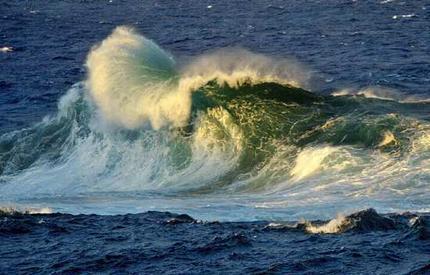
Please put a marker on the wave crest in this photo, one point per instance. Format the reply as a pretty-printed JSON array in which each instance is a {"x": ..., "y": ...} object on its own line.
[
  {"x": 382, "y": 93},
  {"x": 133, "y": 81},
  {"x": 235, "y": 67}
]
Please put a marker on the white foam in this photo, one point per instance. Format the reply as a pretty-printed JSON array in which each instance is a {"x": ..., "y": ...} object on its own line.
[
  {"x": 236, "y": 66},
  {"x": 383, "y": 93},
  {"x": 404, "y": 16},
  {"x": 332, "y": 227},
  {"x": 388, "y": 138},
  {"x": 30, "y": 210},
  {"x": 133, "y": 81},
  {"x": 310, "y": 160},
  {"x": 6, "y": 49}
]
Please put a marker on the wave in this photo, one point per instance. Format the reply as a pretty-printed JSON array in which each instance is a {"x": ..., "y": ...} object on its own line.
[
  {"x": 12, "y": 211},
  {"x": 413, "y": 225},
  {"x": 228, "y": 122},
  {"x": 383, "y": 93},
  {"x": 133, "y": 81},
  {"x": 403, "y": 247}
]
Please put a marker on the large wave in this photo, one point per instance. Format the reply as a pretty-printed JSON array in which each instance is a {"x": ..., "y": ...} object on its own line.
[
  {"x": 228, "y": 128},
  {"x": 133, "y": 81}
]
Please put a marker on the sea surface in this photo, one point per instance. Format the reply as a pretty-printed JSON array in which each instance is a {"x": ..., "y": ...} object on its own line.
[{"x": 287, "y": 136}]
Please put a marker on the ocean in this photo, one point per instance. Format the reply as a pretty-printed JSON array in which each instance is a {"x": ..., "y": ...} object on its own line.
[{"x": 215, "y": 136}]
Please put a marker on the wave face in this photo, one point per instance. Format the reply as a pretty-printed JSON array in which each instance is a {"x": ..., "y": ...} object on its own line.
[{"x": 229, "y": 129}]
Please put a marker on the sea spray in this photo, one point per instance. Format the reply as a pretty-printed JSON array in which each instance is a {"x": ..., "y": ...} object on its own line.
[{"x": 228, "y": 128}]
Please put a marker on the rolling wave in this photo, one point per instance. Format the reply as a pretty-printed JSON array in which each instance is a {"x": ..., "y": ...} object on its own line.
[{"x": 229, "y": 122}]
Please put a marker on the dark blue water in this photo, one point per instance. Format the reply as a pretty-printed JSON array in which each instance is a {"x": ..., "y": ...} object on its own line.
[
  {"x": 158, "y": 242},
  {"x": 346, "y": 45}
]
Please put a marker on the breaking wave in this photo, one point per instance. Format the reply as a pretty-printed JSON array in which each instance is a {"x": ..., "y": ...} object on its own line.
[
  {"x": 414, "y": 226},
  {"x": 229, "y": 127},
  {"x": 133, "y": 81},
  {"x": 384, "y": 94}
]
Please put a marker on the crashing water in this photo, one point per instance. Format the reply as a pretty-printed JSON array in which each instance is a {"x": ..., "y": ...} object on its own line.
[
  {"x": 231, "y": 135},
  {"x": 275, "y": 165}
]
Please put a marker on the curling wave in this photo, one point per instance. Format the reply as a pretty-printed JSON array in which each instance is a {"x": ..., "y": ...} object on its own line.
[{"x": 144, "y": 130}]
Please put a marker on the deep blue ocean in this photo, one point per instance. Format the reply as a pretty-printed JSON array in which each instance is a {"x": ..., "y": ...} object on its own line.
[{"x": 219, "y": 137}]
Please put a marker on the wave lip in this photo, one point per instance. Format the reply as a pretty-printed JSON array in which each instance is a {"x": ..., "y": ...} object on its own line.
[
  {"x": 236, "y": 66},
  {"x": 132, "y": 81},
  {"x": 362, "y": 221}
]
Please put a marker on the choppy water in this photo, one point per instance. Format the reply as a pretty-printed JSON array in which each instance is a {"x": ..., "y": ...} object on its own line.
[
  {"x": 157, "y": 242},
  {"x": 271, "y": 111}
]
